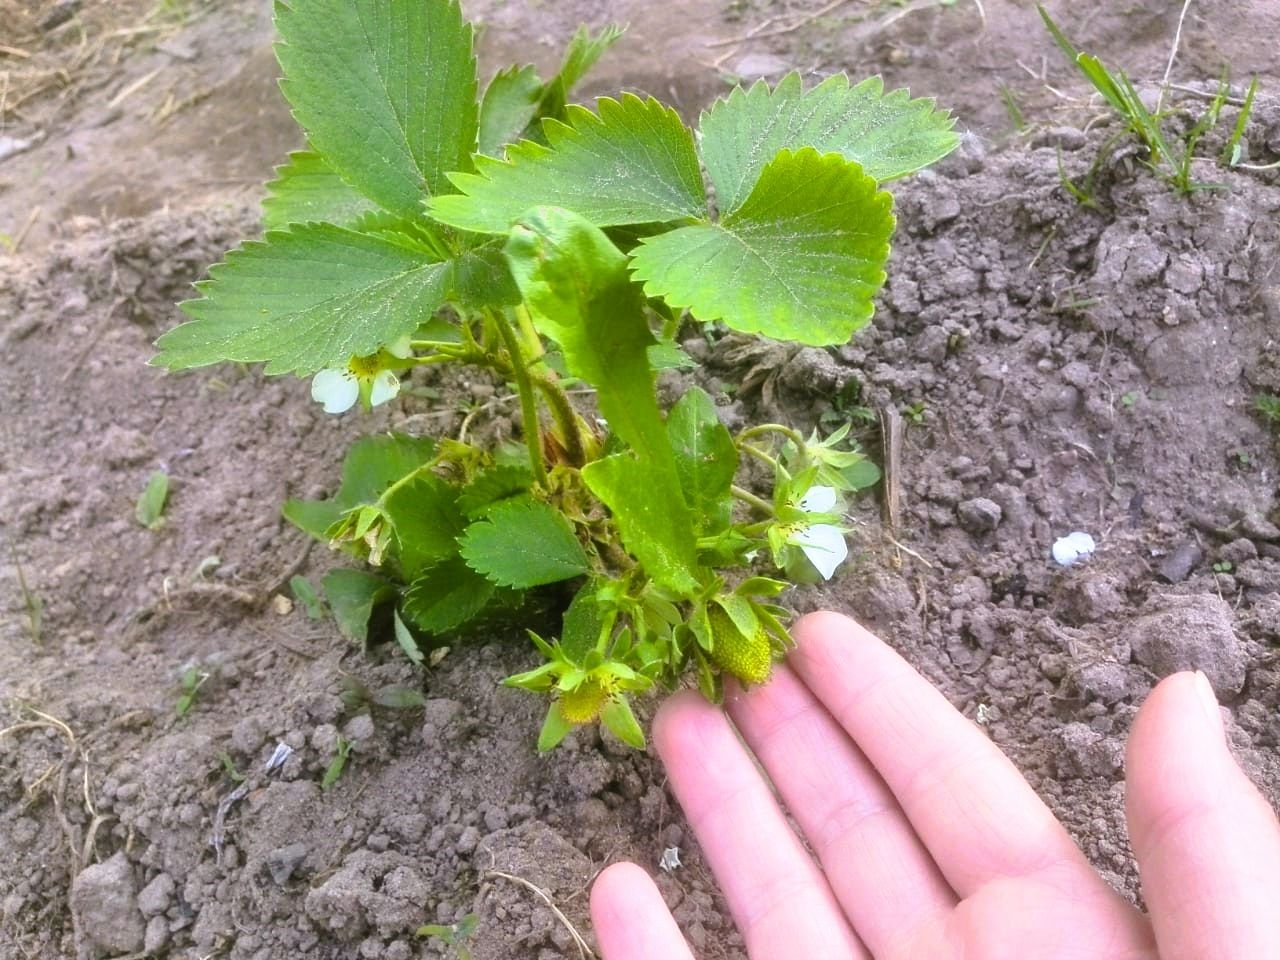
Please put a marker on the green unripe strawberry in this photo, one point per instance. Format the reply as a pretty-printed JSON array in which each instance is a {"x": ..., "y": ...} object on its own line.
[
  {"x": 582, "y": 704},
  {"x": 748, "y": 658}
]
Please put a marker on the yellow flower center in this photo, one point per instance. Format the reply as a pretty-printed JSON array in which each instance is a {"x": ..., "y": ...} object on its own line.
[{"x": 366, "y": 368}]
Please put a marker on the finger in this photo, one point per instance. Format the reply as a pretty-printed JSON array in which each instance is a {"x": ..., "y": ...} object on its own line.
[
  {"x": 778, "y": 897},
  {"x": 1207, "y": 843},
  {"x": 967, "y": 802},
  {"x": 631, "y": 919},
  {"x": 883, "y": 877}
]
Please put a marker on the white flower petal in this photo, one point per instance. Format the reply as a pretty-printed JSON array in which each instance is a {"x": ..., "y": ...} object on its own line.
[
  {"x": 824, "y": 545},
  {"x": 400, "y": 348},
  {"x": 818, "y": 500},
  {"x": 385, "y": 386},
  {"x": 336, "y": 389}
]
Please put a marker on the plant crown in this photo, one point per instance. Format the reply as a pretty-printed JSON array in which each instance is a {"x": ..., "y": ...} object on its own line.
[{"x": 560, "y": 246}]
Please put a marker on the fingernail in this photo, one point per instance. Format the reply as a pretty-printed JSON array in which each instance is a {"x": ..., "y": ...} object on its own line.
[{"x": 1208, "y": 702}]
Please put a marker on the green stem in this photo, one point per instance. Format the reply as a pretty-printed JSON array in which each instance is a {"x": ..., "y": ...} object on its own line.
[
  {"x": 746, "y": 496},
  {"x": 528, "y": 402},
  {"x": 566, "y": 419},
  {"x": 758, "y": 454},
  {"x": 795, "y": 436}
]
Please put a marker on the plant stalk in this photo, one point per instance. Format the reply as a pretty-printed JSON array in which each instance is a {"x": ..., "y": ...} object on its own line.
[
  {"x": 528, "y": 402},
  {"x": 566, "y": 419},
  {"x": 746, "y": 496}
]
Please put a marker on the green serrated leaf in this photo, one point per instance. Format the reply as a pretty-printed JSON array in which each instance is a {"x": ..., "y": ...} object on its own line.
[
  {"x": 633, "y": 162},
  {"x": 406, "y": 641},
  {"x": 427, "y": 521},
  {"x": 353, "y": 595},
  {"x": 706, "y": 459},
  {"x": 516, "y": 99},
  {"x": 494, "y": 485},
  {"x": 889, "y": 134},
  {"x": 385, "y": 89},
  {"x": 149, "y": 510},
  {"x": 654, "y": 528},
  {"x": 446, "y": 596},
  {"x": 800, "y": 260},
  {"x": 306, "y": 299},
  {"x": 307, "y": 189},
  {"x": 509, "y": 106},
  {"x": 523, "y": 543}
]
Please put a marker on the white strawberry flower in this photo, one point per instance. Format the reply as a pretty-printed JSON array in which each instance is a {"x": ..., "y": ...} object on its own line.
[
  {"x": 823, "y": 544},
  {"x": 368, "y": 379}
]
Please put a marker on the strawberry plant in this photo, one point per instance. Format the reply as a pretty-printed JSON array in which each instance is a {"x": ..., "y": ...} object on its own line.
[{"x": 428, "y": 223}]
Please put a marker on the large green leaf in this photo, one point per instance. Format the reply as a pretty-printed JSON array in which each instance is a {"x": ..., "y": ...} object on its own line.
[
  {"x": 385, "y": 89},
  {"x": 523, "y": 543},
  {"x": 575, "y": 284},
  {"x": 308, "y": 298},
  {"x": 307, "y": 189},
  {"x": 890, "y": 135},
  {"x": 634, "y": 162},
  {"x": 654, "y": 528},
  {"x": 800, "y": 260},
  {"x": 706, "y": 459}
]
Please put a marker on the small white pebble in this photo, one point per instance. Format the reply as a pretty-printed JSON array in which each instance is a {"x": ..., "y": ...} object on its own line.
[
  {"x": 1073, "y": 547},
  {"x": 670, "y": 861}
]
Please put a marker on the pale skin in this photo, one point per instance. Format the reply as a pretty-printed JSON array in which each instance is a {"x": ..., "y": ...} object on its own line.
[{"x": 927, "y": 842}]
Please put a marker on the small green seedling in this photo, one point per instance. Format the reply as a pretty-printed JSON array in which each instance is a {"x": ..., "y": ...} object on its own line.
[
  {"x": 454, "y": 935},
  {"x": 1223, "y": 566},
  {"x": 1170, "y": 155},
  {"x": 563, "y": 250},
  {"x": 1268, "y": 405},
  {"x": 356, "y": 696},
  {"x": 149, "y": 510},
  {"x": 1130, "y": 399},
  {"x": 192, "y": 680},
  {"x": 305, "y": 593},
  {"x": 338, "y": 765},
  {"x": 32, "y": 603},
  {"x": 229, "y": 767},
  {"x": 915, "y": 412}
]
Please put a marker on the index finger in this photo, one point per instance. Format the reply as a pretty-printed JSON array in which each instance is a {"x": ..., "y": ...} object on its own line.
[{"x": 967, "y": 802}]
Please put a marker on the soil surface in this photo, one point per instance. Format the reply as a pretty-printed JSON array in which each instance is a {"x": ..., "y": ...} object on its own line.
[{"x": 1060, "y": 366}]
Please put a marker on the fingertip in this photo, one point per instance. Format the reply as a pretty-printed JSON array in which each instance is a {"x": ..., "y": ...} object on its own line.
[
  {"x": 631, "y": 918},
  {"x": 679, "y": 721},
  {"x": 614, "y": 888}
]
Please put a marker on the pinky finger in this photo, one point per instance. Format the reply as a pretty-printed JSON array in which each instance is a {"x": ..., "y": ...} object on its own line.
[{"x": 632, "y": 922}]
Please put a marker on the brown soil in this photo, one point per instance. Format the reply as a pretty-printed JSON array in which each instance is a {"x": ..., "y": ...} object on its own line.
[{"x": 1078, "y": 368}]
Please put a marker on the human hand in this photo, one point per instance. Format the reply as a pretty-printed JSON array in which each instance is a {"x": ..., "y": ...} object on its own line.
[{"x": 929, "y": 845}]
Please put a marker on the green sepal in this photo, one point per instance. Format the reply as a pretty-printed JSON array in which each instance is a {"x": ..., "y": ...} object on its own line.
[
  {"x": 583, "y": 623},
  {"x": 554, "y": 729},
  {"x": 617, "y": 716}
]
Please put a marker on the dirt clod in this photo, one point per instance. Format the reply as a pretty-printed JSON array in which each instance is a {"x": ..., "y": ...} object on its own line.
[{"x": 1191, "y": 633}]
